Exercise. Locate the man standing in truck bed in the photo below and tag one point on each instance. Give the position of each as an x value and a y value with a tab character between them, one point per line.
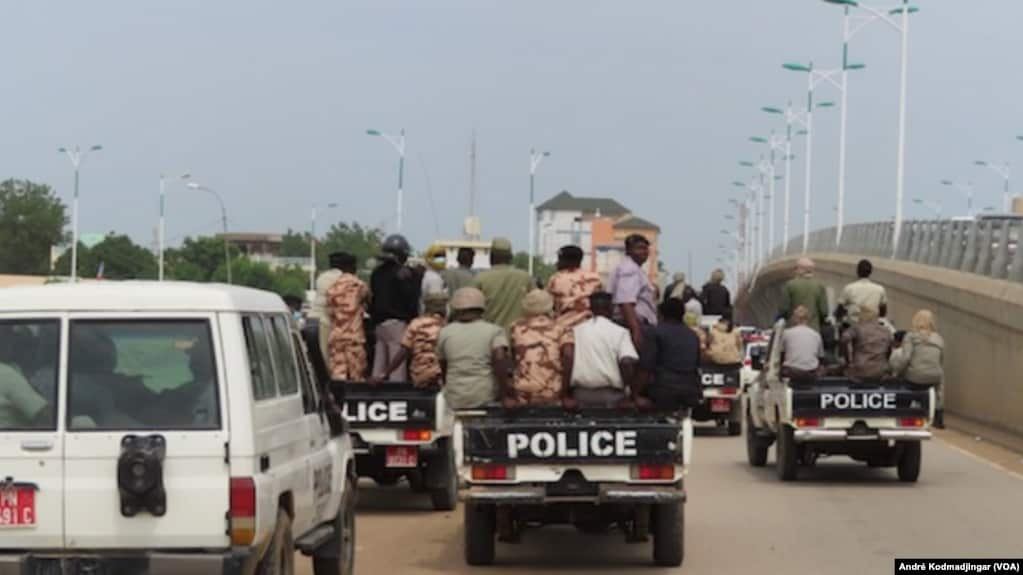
571	288
503	286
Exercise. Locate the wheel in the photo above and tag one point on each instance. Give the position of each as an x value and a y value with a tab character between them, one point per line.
480	525
668	525
341	560
909	462
787	463
756	447
445	498
734	428
280	555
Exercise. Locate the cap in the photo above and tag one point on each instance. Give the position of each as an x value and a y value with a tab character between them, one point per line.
468	298
538	302
501	245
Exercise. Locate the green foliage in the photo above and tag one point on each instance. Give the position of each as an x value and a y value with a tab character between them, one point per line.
363	243
32	219
197	260
541	271
121	259
296	245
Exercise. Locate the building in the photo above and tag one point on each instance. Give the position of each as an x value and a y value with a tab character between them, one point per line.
597	225
451	247
264	248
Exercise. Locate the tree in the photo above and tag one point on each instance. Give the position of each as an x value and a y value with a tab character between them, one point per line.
363	243
32	220
117	256
541	271
295	245
197	259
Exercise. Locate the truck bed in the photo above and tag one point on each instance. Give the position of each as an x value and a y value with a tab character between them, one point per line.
841	397
388	405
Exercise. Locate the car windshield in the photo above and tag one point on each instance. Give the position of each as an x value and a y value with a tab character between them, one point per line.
28	374
128	375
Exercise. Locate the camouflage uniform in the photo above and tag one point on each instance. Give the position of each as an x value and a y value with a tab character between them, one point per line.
571	290
536	342
347	341
421	342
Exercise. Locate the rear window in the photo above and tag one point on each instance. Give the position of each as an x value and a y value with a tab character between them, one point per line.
145	375
29	356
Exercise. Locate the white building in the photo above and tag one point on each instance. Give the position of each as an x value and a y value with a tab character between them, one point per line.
566	219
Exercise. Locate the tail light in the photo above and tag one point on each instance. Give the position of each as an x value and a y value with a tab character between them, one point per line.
243	511
653	472
492	473
912	422
808	422
729	391
748	362
416	434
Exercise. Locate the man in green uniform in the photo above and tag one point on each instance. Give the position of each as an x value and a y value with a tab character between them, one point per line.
503	286
805	290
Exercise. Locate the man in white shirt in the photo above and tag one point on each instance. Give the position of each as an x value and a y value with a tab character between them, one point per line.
862	293
605	359
802	347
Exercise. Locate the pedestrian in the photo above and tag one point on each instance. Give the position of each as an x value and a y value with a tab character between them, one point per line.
395	287
805	290
802	348
674	361
419	345
632	291
678	288
867	345
604	360
318	309
715	297
461	276
346	307
920	360
863	292
543	354
473	353
503	286
571	288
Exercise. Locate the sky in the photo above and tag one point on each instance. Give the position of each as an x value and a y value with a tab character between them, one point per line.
650	102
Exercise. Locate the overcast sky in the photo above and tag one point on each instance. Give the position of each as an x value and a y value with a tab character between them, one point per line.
649	102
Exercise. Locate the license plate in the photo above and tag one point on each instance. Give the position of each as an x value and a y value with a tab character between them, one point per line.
720	405
400	456
18	507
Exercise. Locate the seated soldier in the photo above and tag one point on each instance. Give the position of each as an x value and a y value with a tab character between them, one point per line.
674	361
867	345
725	343
542	349
420	344
802	348
604	360
473	354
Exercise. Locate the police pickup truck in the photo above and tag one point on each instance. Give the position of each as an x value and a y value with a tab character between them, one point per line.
881	424
722	397
593	469
400	431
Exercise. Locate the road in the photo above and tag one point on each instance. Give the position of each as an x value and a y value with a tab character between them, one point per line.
840	518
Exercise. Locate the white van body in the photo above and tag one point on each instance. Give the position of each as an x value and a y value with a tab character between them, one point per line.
255	419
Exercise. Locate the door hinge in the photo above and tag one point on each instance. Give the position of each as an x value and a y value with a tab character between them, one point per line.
227	452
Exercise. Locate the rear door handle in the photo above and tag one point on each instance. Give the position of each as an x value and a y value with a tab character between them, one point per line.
37	444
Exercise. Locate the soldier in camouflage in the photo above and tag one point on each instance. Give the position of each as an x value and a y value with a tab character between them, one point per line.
420	344
346	305
571	288
543	351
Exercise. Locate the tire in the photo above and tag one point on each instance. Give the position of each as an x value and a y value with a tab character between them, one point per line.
909	462
756	448
480	527
344	530
668	526
279	558
446	498
787	463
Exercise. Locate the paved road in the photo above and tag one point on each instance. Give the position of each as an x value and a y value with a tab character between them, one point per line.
839	518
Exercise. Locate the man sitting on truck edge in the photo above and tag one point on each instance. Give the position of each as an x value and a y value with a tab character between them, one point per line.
346	304
473	354
725	343
805	290
420	345
802	348
867	345
674	361
571	288
543	354
604	367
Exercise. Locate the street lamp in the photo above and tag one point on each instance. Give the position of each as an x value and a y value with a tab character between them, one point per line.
161	232
535	159
775	144
76	155
966	189
398	142
223	221
1002	171
935	206
312	246
791	116
755	208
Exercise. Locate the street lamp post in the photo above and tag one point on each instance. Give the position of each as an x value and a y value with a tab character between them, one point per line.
966	189
76	155
1002	171
535	159
775	143
791	116
161	231
398	142
223	221
312	246
935	206
754	218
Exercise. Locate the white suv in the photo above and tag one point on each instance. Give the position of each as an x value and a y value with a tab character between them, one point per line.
165	428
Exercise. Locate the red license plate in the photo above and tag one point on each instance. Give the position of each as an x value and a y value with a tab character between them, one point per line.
401	456
17	507
720	405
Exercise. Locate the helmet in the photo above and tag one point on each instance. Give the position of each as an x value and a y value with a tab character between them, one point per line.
468	298
396	245
436	258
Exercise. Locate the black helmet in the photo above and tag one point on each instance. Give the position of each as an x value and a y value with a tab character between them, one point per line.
396	245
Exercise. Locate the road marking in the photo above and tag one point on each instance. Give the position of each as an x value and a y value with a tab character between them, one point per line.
982	459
